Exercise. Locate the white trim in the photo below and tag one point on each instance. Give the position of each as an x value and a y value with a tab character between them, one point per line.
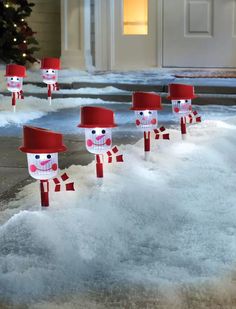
87	35
65	25
102	34
112	35
160	29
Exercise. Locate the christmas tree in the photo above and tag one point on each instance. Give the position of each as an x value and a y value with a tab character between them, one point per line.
17	42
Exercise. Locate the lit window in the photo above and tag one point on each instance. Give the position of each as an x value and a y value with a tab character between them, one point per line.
135	17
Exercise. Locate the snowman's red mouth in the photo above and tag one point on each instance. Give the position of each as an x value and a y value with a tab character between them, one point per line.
34	168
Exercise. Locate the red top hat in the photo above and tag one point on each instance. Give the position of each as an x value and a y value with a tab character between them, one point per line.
15	70
50	63
96	117
38	140
146	100
181	92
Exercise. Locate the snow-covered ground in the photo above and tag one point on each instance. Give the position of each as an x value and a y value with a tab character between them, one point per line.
166	221
33	108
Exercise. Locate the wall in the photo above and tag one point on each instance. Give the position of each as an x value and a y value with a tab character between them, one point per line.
45	20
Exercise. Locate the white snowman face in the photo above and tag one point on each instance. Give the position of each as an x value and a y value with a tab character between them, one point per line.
181	107
14	83
146	119
50	76
98	140
43	165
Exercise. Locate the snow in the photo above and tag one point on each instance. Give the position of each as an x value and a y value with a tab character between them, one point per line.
165	221
150	76
33	108
85	90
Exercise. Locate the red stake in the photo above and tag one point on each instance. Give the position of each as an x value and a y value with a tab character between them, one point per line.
44	189
50	94
147	141
183	127
13	99
99	167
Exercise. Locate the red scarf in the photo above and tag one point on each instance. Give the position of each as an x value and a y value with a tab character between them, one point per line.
54	87
111	154
161	133
69	186
16	95
193	118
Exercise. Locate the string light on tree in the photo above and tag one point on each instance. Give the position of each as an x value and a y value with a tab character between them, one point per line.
20	44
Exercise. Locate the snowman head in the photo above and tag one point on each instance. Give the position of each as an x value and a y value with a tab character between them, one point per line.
50	76
181	107
14	83
146	119
98	140
42	166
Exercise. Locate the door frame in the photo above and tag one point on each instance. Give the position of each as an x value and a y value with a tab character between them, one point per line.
104	34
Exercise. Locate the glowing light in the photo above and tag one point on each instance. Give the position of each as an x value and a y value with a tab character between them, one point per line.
135	15
24	41
22	19
15	25
24	55
7	5
14	39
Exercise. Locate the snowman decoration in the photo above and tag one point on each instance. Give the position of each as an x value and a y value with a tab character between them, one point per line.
146	106
98	123
50	67
42	147
181	98
14	77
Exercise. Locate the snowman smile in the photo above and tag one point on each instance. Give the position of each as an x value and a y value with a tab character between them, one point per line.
90	143
34	168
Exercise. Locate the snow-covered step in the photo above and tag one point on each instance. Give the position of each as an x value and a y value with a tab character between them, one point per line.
161	86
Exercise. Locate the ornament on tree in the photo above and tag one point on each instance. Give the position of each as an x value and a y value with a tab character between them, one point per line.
50	67
146	106
14	76
42	147
98	123
16	37
181	98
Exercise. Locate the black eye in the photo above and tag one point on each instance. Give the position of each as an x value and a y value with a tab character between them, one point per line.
11	78
46	71
53	71
103	131
149	112
178	101
93	131
49	156
18	79
141	113
186	101
37	157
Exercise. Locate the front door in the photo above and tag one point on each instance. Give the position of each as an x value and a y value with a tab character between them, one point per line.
133	34
199	33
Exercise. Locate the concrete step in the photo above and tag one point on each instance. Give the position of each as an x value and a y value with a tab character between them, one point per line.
202	99
161	86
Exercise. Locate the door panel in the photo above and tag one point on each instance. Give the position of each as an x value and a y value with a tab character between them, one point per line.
133	51
199	33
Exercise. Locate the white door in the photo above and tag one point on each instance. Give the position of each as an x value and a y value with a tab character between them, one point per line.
133	34
199	33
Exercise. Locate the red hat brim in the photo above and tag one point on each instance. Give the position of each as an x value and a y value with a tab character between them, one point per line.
141	109
181	98
97	126
48	150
